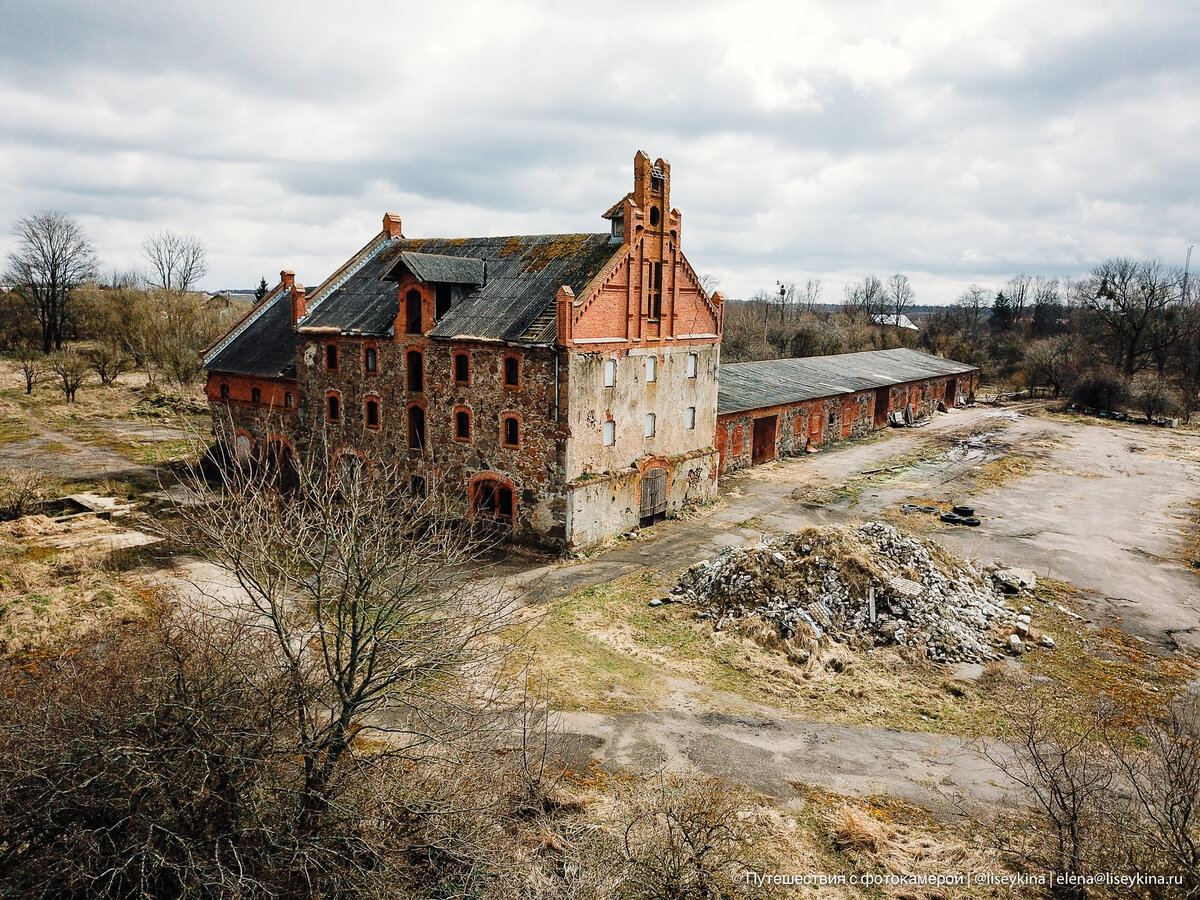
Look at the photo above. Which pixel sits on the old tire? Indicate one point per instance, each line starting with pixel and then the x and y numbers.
pixel 964 510
pixel 950 517
pixel 968 520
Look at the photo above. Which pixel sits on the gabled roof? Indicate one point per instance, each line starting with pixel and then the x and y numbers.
pixel 262 344
pixel 524 274
pixel 432 268
pixel 618 208
pixel 777 382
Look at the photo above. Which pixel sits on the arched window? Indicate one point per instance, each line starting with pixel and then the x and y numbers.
pixel 331 357
pixel 224 392
pixel 416 371
pixel 512 371
pixel 335 408
pixel 462 368
pixel 493 498
pixel 412 312
pixel 370 360
pixel 255 395
pixel 416 428
pixel 651 369
pixel 462 425
pixel 512 432
pixel 372 414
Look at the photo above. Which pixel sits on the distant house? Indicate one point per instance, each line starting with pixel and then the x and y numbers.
pixel 892 320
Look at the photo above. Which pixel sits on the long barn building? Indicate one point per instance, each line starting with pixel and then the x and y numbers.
pixel 784 407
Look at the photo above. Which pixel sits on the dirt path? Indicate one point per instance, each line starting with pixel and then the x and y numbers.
pixel 779 757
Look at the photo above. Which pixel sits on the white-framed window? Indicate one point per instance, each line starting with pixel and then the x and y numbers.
pixel 689 417
pixel 610 433
pixel 691 365
pixel 651 368
pixel 610 372
pixel 649 425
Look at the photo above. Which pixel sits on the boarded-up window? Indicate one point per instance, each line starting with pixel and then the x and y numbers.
pixel 610 373
pixel 691 365
pixel 610 433
pixel 649 425
pixel 689 417
pixel 651 369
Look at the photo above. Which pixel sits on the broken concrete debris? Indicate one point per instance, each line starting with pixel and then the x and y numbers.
pixel 816 585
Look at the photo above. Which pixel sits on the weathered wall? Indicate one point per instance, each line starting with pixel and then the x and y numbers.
pixel 270 418
pixel 590 404
pixel 609 504
pixel 533 466
pixel 828 419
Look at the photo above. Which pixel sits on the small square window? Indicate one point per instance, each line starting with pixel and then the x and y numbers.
pixel 610 372
pixel 691 365
pixel 649 425
pixel 651 368
pixel 610 433
pixel 689 417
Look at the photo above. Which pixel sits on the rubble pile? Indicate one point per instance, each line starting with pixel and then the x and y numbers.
pixel 818 583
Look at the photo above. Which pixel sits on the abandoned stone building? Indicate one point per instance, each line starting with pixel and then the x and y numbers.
pixel 564 385
pixel 784 407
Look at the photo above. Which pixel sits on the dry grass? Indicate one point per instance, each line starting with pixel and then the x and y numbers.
pixel 51 598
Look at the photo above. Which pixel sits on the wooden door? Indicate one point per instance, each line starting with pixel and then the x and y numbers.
pixel 654 496
pixel 763 447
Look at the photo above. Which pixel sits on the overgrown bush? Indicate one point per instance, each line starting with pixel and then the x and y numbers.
pixel 1101 389
pixel 20 492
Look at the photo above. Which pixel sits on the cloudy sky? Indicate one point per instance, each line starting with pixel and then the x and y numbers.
pixel 957 142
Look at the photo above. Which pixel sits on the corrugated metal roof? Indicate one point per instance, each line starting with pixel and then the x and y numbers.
pixel 433 268
pixel 777 382
pixel 265 345
pixel 524 274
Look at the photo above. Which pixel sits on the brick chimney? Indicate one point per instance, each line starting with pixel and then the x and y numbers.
pixel 287 278
pixel 391 225
pixel 564 303
pixel 299 304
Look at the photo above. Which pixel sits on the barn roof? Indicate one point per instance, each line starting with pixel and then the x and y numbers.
pixel 262 344
pixel 520 278
pixel 777 382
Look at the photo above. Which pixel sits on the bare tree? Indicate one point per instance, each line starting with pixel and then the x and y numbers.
pixel 32 363
pixel 867 298
pixel 71 367
pixel 1063 765
pixel 362 588
pixel 1126 295
pixel 177 261
pixel 810 294
pixel 52 258
pixel 1017 291
pixel 900 296
pixel 971 303
pixel 1162 770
